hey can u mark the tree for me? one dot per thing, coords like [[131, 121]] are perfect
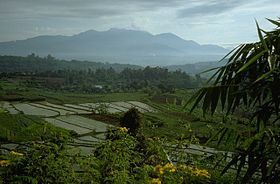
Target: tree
[[251, 79], [132, 121]]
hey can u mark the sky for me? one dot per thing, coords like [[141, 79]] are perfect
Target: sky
[[222, 22]]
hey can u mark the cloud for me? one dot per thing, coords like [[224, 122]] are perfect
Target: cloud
[[111, 8], [211, 7], [228, 21], [83, 9]]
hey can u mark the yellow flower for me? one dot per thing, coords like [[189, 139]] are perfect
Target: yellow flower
[[196, 172], [4, 163], [203, 173], [123, 129], [172, 170], [159, 169], [156, 181], [16, 153], [170, 167], [167, 167]]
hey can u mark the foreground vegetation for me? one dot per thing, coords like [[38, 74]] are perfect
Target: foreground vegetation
[[122, 158], [250, 80]]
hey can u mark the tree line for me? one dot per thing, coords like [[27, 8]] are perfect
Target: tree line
[[79, 76], [34, 63]]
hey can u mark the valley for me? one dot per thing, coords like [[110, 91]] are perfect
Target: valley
[[82, 121]]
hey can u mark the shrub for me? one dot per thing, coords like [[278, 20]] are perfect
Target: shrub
[[42, 163], [132, 121], [121, 158]]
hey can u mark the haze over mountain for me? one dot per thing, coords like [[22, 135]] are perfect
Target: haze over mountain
[[117, 46]]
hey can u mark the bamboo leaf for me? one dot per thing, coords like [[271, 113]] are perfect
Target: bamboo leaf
[[244, 49], [236, 102], [236, 54], [229, 135], [261, 37], [270, 62], [252, 168], [214, 136], [264, 76], [230, 98], [251, 61], [274, 22], [207, 100], [231, 52], [198, 98], [193, 97], [215, 99], [209, 70], [222, 72], [218, 71], [222, 136], [237, 140], [223, 96]]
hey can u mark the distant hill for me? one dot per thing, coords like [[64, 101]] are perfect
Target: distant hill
[[118, 46], [197, 68]]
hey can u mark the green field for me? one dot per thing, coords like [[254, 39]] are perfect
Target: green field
[[19, 128], [172, 120]]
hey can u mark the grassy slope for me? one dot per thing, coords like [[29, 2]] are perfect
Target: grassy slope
[[16, 89], [19, 127], [172, 121], [175, 121]]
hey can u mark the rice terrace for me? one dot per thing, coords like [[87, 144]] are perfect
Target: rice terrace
[[67, 116]]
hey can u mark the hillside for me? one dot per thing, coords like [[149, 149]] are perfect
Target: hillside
[[197, 68], [117, 45]]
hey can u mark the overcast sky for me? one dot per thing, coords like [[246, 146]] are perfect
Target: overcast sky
[[223, 22]]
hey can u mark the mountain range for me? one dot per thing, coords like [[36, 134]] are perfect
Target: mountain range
[[117, 46]]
